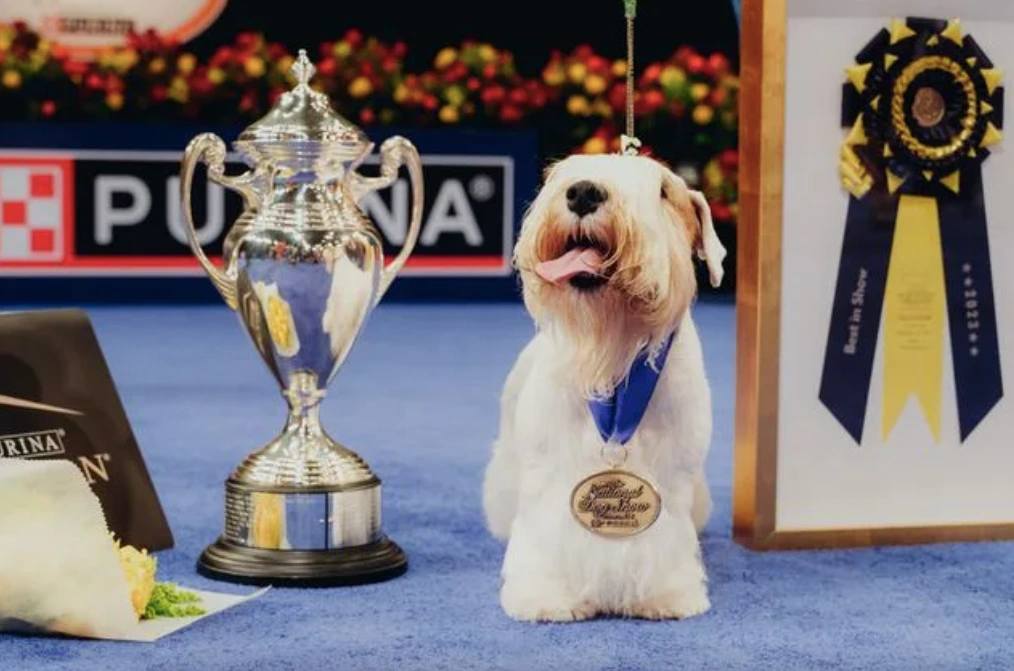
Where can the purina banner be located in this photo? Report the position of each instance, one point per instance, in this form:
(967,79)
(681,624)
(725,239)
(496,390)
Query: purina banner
(84,27)
(67,211)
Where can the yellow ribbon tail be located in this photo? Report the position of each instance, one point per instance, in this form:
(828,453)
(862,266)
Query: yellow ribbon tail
(914,314)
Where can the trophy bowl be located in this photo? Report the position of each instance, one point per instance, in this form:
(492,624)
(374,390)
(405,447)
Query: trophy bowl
(303,267)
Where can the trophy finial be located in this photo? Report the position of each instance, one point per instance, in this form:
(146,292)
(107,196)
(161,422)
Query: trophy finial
(303,69)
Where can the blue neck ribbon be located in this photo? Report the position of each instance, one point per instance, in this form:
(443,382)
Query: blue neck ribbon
(618,416)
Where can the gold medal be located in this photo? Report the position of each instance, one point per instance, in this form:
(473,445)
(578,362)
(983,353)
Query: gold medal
(615,503)
(928,107)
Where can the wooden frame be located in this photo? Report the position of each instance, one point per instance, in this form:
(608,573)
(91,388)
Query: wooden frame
(759,286)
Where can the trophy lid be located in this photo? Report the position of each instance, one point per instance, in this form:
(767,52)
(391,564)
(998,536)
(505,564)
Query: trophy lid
(302,128)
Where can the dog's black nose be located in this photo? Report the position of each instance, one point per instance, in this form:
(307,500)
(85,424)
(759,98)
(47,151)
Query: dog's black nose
(585,197)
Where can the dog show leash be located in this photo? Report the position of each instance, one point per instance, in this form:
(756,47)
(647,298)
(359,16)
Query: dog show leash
(629,144)
(615,502)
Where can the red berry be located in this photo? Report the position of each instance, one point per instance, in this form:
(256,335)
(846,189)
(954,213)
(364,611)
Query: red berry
(493,95)
(598,64)
(510,114)
(718,63)
(729,159)
(721,212)
(354,38)
(327,67)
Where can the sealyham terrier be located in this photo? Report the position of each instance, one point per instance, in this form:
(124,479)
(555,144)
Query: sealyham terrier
(596,479)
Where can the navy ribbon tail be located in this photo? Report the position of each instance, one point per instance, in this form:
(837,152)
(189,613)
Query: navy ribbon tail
(856,310)
(975,350)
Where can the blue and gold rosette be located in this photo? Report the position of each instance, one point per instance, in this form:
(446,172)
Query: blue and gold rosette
(922,105)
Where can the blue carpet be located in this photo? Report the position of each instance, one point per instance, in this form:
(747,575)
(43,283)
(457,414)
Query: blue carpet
(418,398)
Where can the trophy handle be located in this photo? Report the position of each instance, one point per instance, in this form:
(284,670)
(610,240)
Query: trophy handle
(210,149)
(396,152)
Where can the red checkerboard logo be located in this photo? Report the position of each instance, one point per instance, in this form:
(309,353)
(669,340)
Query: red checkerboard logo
(32,210)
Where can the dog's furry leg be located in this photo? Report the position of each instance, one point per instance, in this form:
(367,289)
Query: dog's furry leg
(701,510)
(500,487)
(680,589)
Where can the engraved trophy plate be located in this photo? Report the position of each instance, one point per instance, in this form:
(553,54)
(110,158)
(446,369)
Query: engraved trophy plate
(615,504)
(303,267)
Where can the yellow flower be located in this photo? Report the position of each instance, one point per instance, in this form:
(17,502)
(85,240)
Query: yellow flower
(156,66)
(672,76)
(178,90)
(703,115)
(577,72)
(455,95)
(445,57)
(360,87)
(595,145)
(114,100)
(285,63)
(342,49)
(578,105)
(449,114)
(186,63)
(595,84)
(713,174)
(699,91)
(602,108)
(216,75)
(254,66)
(487,53)
(5,42)
(401,93)
(11,79)
(43,46)
(554,76)
(619,68)
(127,59)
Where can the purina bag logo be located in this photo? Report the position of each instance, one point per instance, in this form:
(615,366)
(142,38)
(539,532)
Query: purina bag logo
(114,213)
(48,443)
(85,27)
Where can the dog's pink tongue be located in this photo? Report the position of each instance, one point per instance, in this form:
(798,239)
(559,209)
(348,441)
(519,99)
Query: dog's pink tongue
(574,262)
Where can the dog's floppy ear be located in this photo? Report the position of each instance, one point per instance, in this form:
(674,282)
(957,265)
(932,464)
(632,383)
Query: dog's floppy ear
(710,250)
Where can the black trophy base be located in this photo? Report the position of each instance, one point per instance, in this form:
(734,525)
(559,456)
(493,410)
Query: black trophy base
(375,562)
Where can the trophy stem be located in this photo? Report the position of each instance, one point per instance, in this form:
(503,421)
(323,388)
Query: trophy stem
(304,397)
(303,510)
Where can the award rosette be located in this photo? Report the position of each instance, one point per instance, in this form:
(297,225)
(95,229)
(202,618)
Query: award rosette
(922,105)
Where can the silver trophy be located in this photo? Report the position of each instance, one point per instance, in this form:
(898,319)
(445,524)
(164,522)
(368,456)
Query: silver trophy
(303,267)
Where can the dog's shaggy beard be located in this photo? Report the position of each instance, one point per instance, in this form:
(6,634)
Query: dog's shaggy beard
(601,332)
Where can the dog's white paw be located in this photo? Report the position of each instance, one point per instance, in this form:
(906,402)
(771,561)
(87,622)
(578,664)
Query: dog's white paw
(673,605)
(545,604)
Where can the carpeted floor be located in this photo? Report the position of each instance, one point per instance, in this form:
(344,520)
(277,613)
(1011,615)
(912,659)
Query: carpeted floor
(418,399)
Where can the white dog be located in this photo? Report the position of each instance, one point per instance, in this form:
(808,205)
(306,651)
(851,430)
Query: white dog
(606,258)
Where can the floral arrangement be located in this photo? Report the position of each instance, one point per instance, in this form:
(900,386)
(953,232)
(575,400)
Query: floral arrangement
(685,106)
